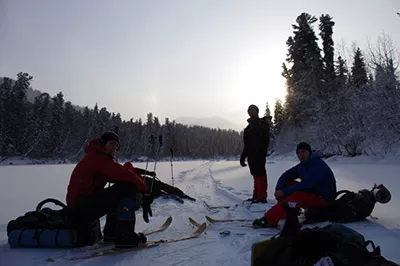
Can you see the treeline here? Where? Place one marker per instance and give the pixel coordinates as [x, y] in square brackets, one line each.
[50, 128]
[341, 105]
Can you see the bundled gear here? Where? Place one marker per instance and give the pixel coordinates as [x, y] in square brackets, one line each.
[334, 243]
[349, 206]
[49, 228]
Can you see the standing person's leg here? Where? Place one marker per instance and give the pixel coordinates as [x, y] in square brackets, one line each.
[252, 165]
[260, 178]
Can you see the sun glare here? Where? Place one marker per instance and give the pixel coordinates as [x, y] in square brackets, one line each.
[258, 80]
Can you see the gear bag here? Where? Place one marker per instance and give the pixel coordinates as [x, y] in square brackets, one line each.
[48, 228]
[335, 242]
[349, 206]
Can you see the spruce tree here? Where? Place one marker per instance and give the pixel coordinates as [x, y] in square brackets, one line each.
[326, 32]
[358, 77]
[305, 74]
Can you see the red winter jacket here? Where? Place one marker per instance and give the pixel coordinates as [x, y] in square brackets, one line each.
[97, 168]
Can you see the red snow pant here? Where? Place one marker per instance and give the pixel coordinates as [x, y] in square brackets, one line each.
[259, 173]
[302, 199]
[260, 188]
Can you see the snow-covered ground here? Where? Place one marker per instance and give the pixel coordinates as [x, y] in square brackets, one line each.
[218, 183]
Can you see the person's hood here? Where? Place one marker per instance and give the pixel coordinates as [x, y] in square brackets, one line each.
[316, 154]
[95, 146]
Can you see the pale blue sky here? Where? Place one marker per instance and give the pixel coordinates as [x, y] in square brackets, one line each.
[173, 58]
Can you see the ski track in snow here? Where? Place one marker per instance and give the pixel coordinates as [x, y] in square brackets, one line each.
[210, 248]
[200, 184]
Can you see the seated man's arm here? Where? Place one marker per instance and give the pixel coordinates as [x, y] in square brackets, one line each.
[290, 174]
[313, 177]
[114, 172]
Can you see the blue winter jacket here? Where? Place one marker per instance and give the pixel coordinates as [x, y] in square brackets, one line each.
[316, 177]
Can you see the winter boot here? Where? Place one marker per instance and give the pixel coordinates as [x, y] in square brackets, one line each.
[125, 236]
[261, 223]
[110, 227]
[252, 199]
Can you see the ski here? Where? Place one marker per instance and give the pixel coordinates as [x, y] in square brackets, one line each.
[227, 232]
[148, 244]
[212, 220]
[194, 222]
[218, 207]
[162, 227]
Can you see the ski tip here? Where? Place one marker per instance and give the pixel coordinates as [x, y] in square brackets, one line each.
[194, 222]
[168, 221]
[201, 228]
[211, 220]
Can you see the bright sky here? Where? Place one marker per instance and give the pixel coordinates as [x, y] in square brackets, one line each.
[171, 57]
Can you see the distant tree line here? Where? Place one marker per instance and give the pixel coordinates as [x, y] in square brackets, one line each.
[50, 128]
[340, 108]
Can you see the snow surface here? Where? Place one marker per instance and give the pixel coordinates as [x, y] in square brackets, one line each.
[22, 187]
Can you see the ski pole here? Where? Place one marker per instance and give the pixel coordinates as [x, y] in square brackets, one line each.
[155, 161]
[116, 131]
[151, 142]
[172, 166]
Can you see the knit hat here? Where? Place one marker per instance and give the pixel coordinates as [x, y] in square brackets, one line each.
[251, 106]
[303, 146]
[109, 135]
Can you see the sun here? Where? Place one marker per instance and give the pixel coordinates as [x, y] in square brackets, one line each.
[258, 80]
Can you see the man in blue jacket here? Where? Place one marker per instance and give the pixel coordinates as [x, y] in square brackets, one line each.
[316, 188]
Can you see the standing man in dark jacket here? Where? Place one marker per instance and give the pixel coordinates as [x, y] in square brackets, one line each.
[256, 142]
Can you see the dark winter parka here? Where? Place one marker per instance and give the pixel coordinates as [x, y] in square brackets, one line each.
[256, 138]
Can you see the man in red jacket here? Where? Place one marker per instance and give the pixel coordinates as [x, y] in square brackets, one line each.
[89, 199]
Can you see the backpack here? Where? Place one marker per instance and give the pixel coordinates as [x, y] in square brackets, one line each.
[46, 219]
[335, 242]
[349, 206]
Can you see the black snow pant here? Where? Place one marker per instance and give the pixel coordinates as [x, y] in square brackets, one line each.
[257, 165]
[104, 202]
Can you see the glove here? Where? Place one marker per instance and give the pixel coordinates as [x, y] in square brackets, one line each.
[147, 200]
[242, 163]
